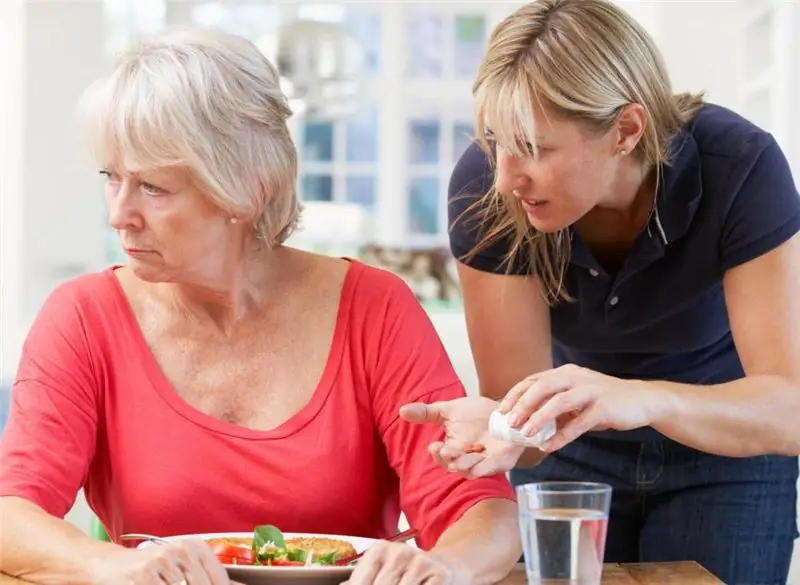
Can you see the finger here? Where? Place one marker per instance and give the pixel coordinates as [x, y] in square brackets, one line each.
[516, 392]
[394, 564]
[417, 571]
[563, 403]
[422, 413]
[217, 574]
[489, 466]
[450, 452]
[434, 449]
[170, 574]
[368, 567]
[537, 394]
[465, 462]
[188, 560]
[167, 567]
[576, 427]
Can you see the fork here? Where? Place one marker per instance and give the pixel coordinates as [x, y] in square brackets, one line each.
[141, 536]
[399, 537]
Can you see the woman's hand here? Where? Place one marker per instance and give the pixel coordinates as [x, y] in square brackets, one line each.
[468, 449]
[579, 400]
[190, 562]
[396, 563]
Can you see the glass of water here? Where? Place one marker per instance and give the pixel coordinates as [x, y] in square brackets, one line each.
[563, 527]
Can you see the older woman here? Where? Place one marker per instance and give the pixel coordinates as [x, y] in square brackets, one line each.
[222, 379]
[645, 244]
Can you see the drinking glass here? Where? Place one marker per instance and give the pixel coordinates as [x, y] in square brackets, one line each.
[563, 527]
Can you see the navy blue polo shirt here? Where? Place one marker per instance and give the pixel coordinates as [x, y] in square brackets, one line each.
[727, 197]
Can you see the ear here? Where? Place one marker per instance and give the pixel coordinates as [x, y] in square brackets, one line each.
[630, 126]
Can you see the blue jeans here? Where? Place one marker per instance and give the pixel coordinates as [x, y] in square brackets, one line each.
[736, 517]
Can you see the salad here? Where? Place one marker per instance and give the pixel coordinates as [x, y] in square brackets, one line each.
[269, 547]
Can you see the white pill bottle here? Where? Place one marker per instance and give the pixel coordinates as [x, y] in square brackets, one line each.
[500, 429]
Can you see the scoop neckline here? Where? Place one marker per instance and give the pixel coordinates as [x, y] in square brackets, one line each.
[164, 389]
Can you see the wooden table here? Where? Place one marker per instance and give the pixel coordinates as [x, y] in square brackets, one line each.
[684, 573]
[643, 574]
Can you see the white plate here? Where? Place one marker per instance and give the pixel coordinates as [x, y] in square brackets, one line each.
[263, 575]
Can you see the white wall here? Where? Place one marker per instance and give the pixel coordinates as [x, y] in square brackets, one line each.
[52, 213]
[63, 213]
[12, 25]
[699, 43]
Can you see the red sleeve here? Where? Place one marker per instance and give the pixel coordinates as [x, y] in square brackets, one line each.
[412, 365]
[49, 442]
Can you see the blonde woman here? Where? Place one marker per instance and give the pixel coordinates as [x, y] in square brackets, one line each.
[630, 269]
[223, 379]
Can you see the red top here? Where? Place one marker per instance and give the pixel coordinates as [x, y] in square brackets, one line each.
[91, 408]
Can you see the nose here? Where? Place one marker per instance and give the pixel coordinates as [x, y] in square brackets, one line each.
[123, 212]
[510, 173]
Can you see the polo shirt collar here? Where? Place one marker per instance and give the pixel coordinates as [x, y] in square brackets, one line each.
[677, 201]
[680, 190]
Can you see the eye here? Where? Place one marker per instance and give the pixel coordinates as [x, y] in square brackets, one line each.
[109, 176]
[151, 189]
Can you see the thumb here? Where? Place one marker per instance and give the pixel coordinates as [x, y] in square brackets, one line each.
[421, 413]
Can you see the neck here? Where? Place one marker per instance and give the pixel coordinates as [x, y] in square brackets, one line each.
[626, 210]
[633, 189]
[234, 292]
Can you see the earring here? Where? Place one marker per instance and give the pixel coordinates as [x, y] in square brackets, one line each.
[623, 152]
[233, 220]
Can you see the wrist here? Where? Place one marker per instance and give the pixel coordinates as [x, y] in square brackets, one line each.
[99, 558]
[661, 402]
[458, 571]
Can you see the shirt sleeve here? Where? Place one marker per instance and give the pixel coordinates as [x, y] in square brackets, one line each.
[412, 365]
[472, 178]
[49, 441]
[765, 211]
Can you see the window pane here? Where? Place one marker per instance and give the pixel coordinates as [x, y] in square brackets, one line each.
[423, 212]
[250, 21]
[361, 190]
[463, 135]
[317, 188]
[423, 142]
[362, 137]
[366, 28]
[318, 141]
[425, 45]
[470, 31]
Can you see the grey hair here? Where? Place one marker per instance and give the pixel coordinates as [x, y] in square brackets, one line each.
[210, 102]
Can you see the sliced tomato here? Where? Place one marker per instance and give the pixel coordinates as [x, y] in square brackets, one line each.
[284, 563]
[229, 554]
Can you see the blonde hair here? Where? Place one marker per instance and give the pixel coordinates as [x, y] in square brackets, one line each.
[209, 102]
[582, 60]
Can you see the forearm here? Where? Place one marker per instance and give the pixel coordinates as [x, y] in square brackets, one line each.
[757, 415]
[484, 543]
[40, 548]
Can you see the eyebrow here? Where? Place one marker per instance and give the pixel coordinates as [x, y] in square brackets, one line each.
[488, 133]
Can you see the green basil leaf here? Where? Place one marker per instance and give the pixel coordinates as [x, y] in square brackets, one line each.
[296, 554]
[267, 533]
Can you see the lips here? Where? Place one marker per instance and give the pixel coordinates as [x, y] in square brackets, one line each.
[531, 204]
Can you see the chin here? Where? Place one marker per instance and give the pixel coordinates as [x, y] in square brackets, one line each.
[548, 225]
[146, 271]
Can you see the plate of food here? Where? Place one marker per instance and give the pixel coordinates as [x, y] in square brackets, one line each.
[268, 555]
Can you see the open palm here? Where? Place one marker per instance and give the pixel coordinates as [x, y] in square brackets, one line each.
[468, 448]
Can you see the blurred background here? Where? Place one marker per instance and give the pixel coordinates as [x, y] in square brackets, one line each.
[381, 92]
